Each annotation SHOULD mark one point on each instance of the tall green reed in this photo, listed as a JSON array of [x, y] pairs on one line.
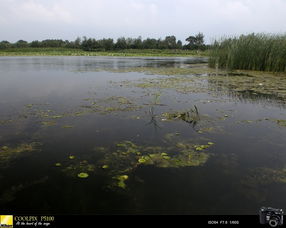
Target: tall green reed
[[263, 52]]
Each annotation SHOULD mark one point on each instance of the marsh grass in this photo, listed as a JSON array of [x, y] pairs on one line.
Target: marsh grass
[[262, 52]]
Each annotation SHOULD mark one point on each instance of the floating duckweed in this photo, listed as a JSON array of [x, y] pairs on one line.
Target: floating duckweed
[[121, 181], [265, 176], [57, 116], [71, 157], [184, 146], [249, 82], [114, 104], [2, 122], [201, 147], [210, 143], [198, 148], [281, 123], [8, 153], [127, 156], [83, 175], [206, 130], [48, 123], [74, 167], [142, 160], [67, 126], [58, 164], [187, 116], [123, 100], [29, 105], [194, 69], [122, 177], [187, 158]]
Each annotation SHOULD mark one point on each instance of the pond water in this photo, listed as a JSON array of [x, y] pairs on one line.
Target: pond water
[[106, 135]]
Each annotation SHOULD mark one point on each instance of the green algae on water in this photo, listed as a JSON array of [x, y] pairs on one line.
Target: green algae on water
[[281, 123], [67, 126], [58, 164], [119, 160], [265, 176], [83, 175], [48, 123], [9, 153], [75, 167], [121, 180]]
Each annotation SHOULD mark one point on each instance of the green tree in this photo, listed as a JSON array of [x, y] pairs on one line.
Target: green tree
[[106, 44], [162, 44], [150, 43], [196, 42], [21, 44], [121, 43], [5, 44], [89, 44], [170, 42], [35, 43], [179, 44], [138, 44]]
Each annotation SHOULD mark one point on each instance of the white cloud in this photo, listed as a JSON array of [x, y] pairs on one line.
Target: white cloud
[[156, 18], [31, 11]]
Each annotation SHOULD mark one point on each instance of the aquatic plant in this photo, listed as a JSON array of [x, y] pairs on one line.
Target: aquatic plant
[[78, 168], [192, 116], [251, 85], [48, 123], [263, 52], [67, 126], [121, 159], [83, 175], [121, 180], [281, 123], [9, 153], [265, 176], [128, 156]]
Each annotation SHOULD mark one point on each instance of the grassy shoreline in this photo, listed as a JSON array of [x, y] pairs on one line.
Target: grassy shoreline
[[79, 52]]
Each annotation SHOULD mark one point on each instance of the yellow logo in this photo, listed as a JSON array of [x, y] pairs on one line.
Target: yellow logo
[[6, 221]]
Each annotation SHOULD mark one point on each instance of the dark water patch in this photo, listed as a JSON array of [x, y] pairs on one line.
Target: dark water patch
[[117, 136]]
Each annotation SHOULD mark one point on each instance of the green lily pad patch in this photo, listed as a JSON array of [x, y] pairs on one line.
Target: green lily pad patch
[[83, 175]]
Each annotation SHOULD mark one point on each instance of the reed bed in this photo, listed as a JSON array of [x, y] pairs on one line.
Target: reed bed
[[262, 52]]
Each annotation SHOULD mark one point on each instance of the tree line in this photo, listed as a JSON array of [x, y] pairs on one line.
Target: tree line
[[195, 42]]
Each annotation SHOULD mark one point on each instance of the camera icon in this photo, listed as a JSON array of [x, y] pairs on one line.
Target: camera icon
[[271, 216]]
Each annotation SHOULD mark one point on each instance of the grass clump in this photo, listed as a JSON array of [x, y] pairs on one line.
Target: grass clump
[[262, 52]]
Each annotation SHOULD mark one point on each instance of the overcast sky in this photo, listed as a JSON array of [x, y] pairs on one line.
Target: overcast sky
[[68, 19]]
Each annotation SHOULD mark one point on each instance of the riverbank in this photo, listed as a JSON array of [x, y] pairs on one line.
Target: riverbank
[[79, 52]]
